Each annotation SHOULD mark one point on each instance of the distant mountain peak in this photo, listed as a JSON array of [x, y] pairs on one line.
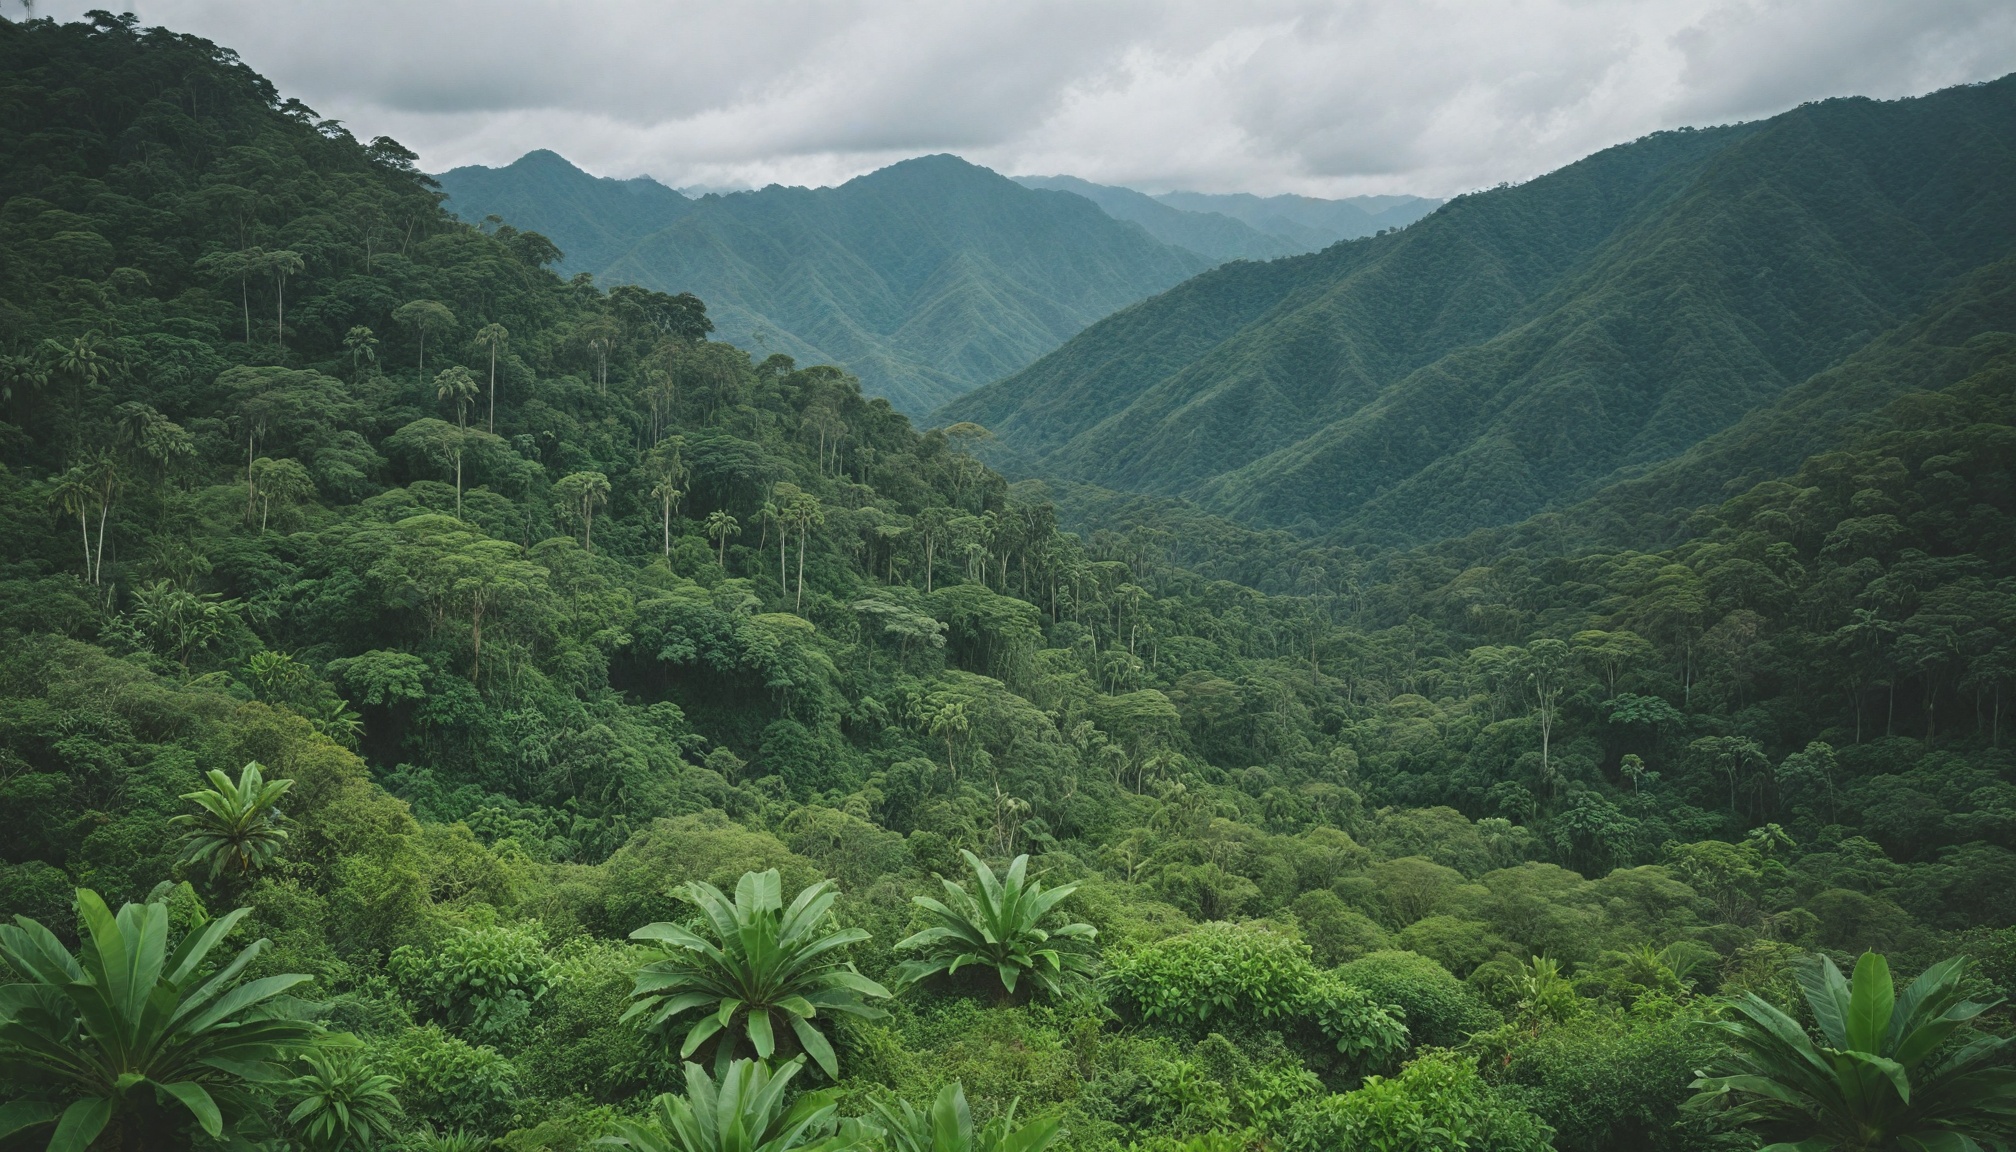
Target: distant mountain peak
[[926, 278]]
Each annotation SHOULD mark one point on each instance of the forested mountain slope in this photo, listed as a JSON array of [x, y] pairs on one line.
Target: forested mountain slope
[[1211, 234], [593, 219], [925, 279], [1522, 346], [437, 703], [1310, 221]]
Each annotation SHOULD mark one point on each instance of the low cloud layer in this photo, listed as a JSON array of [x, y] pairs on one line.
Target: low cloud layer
[[1326, 98]]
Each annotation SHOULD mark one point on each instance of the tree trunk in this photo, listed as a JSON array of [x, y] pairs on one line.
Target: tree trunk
[[98, 562], [799, 605], [493, 390]]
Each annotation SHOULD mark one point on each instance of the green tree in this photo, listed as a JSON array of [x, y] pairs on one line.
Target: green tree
[[719, 527], [424, 317], [284, 482], [131, 1028], [21, 372], [1883, 1076], [584, 492], [803, 512], [457, 386], [239, 825], [764, 961], [493, 338], [745, 1112], [362, 345], [180, 623], [280, 265], [947, 1126], [443, 445], [466, 573], [340, 1104], [85, 490], [238, 265], [999, 929]]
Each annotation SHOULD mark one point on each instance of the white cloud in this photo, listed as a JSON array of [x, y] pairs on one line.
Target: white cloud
[[1316, 96]]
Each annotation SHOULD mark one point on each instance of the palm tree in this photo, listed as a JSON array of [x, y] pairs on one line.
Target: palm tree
[[719, 527], [493, 337], [341, 1104], [363, 348], [585, 491], [280, 265], [764, 961], [424, 316], [1883, 1076], [237, 266], [999, 929], [21, 371], [744, 1113], [131, 1030], [239, 823], [948, 1127], [457, 384]]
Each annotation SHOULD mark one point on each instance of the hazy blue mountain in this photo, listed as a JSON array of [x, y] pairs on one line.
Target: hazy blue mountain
[[593, 219], [1212, 234], [1524, 347], [926, 279], [1311, 222]]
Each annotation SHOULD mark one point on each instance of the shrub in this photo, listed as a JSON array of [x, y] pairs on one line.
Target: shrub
[[1436, 1103], [1439, 1010], [1225, 974], [481, 983]]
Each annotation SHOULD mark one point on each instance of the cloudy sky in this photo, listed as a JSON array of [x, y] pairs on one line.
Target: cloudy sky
[[1323, 97]]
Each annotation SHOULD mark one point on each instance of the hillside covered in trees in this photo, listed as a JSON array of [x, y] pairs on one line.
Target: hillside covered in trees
[[1525, 347], [925, 279], [553, 724]]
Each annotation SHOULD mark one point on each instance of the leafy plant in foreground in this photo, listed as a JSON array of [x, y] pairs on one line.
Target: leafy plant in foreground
[[341, 1104], [743, 1113], [765, 960], [239, 825], [1884, 1076], [999, 929], [947, 1126], [129, 1025]]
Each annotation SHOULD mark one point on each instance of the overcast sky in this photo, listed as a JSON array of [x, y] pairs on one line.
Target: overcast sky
[[1323, 97]]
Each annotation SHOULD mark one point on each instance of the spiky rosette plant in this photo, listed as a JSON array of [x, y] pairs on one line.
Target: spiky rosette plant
[[765, 965], [131, 1031], [745, 1112], [1000, 928], [1884, 1076]]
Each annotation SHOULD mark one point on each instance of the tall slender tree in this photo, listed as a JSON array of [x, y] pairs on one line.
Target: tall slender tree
[[493, 337]]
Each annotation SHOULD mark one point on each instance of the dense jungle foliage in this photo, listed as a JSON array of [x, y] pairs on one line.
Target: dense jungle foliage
[[513, 719]]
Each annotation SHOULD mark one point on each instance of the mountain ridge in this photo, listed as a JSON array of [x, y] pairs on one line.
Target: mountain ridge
[[925, 278], [1520, 347]]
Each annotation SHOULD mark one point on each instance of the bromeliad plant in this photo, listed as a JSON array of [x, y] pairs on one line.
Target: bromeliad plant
[[341, 1105], [239, 825], [764, 962], [130, 1029], [1000, 929], [948, 1127], [744, 1113], [1883, 1077]]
